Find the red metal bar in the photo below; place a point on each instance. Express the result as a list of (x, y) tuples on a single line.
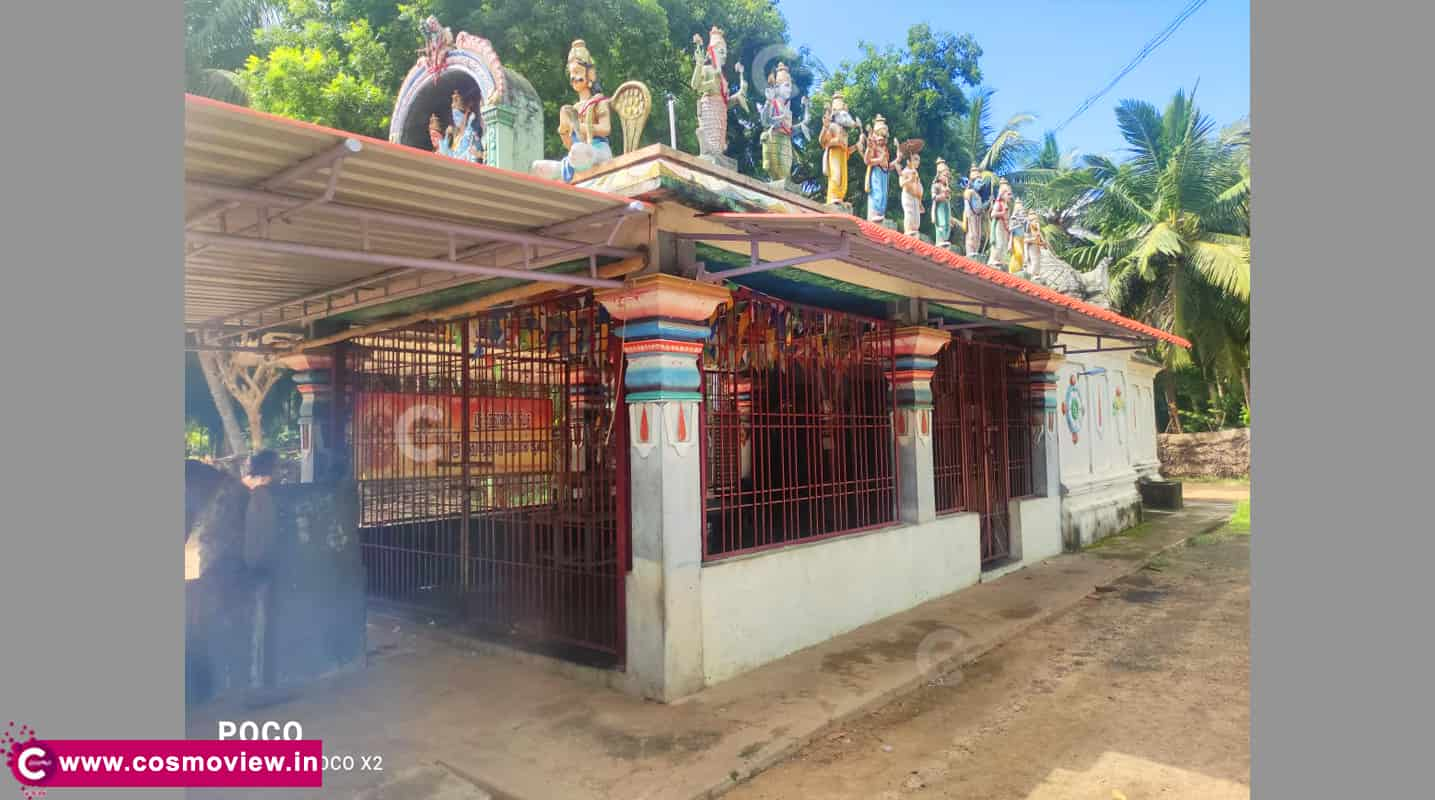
[(797, 436), (515, 530)]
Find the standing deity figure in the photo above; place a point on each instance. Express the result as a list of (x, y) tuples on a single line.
[(837, 148), (463, 138), (942, 204), (911, 183), (776, 116), (1001, 225), (973, 207), (1018, 236), (583, 127), (1034, 244), (873, 144), (714, 100)]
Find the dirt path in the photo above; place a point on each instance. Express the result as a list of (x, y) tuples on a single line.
[(1228, 491), (1140, 692)]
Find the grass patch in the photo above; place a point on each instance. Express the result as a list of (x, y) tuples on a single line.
[(1124, 537), (1241, 522)]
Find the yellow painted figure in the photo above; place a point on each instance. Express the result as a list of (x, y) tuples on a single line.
[(837, 148), (1018, 236)]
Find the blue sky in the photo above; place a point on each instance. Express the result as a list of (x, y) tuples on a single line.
[(1047, 57)]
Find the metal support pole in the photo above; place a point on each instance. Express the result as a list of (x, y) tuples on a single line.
[(358, 256), (672, 122)]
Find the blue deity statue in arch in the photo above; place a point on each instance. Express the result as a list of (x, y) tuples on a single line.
[(463, 138)]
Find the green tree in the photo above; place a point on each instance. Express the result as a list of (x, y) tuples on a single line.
[(321, 68), (918, 88), (218, 37), (1175, 221)]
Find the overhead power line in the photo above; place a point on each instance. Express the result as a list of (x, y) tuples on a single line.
[(1145, 51)]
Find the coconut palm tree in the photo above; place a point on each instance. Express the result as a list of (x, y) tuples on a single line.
[(218, 37), (974, 142), (1175, 221)]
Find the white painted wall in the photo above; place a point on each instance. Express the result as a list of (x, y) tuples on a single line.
[(1035, 528), (1111, 447), (764, 606)]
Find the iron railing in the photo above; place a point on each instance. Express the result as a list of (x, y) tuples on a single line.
[(797, 430), (491, 472)]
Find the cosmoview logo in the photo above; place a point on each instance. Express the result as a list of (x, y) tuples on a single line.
[(34, 762), (30, 760)]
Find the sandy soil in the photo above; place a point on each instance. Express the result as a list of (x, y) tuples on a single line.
[(1227, 491), (1140, 692)]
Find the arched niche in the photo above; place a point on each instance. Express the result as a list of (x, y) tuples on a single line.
[(512, 114)]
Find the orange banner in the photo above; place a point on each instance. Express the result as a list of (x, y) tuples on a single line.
[(404, 435)]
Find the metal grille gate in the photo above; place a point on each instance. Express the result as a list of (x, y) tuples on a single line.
[(981, 443), (797, 430), (492, 475)]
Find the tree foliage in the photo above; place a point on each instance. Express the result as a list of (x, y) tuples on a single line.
[(1174, 218), (321, 68)]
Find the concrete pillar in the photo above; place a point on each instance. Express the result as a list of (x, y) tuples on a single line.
[(916, 351), (313, 375), (1046, 450), (500, 143), (662, 320)]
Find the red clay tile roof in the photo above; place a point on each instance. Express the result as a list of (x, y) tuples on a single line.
[(879, 234)]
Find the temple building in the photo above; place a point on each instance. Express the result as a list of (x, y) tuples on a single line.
[(660, 420)]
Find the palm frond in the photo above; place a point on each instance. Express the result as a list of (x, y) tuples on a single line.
[(1141, 127), (1227, 266)]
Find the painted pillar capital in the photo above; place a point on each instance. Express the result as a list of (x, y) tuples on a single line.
[(662, 320), (915, 350)]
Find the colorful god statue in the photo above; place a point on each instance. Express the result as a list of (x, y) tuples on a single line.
[(873, 144), (911, 183), (1034, 243), (584, 126), (1018, 236), (1001, 225), (463, 138), (776, 116), (714, 99), (973, 208), (942, 204), (837, 148)]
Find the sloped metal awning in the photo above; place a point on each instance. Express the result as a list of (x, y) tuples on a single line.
[(288, 222), (817, 241)]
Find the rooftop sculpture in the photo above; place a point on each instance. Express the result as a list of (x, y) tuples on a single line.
[(837, 147), (776, 117), (874, 146), (942, 204), (911, 183), (714, 99), (586, 127), (493, 114)]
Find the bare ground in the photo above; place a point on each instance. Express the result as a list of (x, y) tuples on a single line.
[(1140, 692)]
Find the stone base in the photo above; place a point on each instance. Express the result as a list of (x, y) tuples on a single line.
[(719, 160), (840, 207), (891, 225), (1094, 512)]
